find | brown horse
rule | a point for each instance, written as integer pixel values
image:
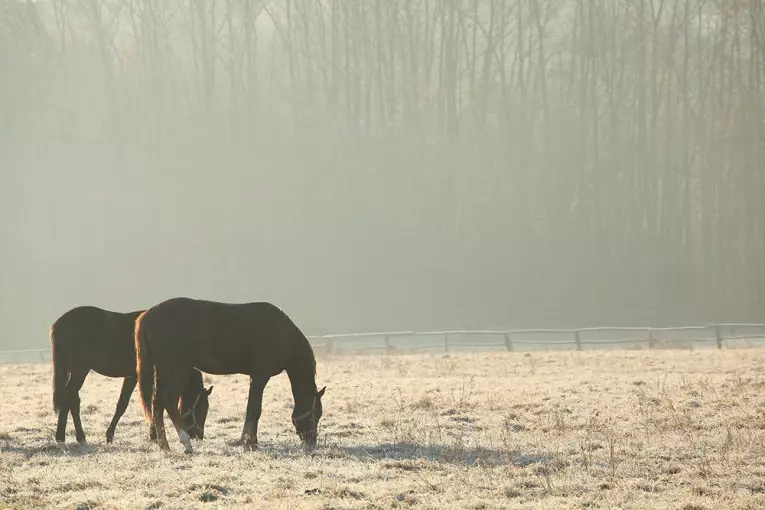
(86, 338)
(255, 339)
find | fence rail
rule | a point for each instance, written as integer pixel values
(510, 340)
(652, 337)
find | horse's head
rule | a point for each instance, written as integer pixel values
(195, 416)
(307, 424)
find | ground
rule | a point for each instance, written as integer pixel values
(618, 429)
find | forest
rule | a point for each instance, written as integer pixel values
(397, 164)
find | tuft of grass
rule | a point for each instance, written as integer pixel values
(424, 404)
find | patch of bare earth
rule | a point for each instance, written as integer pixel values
(669, 429)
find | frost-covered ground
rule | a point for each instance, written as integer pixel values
(616, 429)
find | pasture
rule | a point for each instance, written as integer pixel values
(591, 429)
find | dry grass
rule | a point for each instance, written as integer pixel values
(670, 429)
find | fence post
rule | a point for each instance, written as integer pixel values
(446, 342)
(330, 346)
(651, 339)
(718, 336)
(42, 357)
(577, 340)
(508, 341)
(388, 346)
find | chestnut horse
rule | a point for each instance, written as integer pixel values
(89, 338)
(255, 339)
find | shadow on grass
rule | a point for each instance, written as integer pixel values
(446, 454)
(52, 449)
(456, 455)
(403, 452)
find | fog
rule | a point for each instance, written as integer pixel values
(378, 165)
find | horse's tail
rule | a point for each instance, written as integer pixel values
(144, 368)
(60, 372)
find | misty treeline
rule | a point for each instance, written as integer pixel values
(393, 164)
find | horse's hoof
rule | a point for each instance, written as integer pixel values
(82, 441)
(251, 447)
(188, 450)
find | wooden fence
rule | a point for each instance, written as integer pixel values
(717, 335)
(688, 337)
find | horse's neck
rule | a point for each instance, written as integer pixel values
(303, 381)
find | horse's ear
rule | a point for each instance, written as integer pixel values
(321, 392)
(209, 390)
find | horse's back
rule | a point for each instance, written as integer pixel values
(218, 337)
(187, 313)
(98, 339)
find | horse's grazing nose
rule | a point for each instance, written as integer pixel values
(309, 442)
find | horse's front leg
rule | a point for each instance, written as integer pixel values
(128, 385)
(254, 407)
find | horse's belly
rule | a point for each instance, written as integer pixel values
(113, 371)
(228, 357)
(224, 366)
(240, 365)
(110, 360)
(212, 370)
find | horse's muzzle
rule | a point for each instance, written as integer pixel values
(309, 441)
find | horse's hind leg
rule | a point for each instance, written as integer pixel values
(158, 420)
(73, 393)
(128, 385)
(172, 397)
(183, 435)
(63, 414)
(168, 394)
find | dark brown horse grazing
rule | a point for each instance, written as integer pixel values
(86, 338)
(255, 339)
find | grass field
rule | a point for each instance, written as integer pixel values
(628, 429)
